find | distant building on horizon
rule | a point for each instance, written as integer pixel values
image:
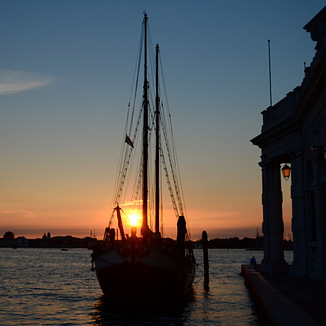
(21, 242)
(294, 133)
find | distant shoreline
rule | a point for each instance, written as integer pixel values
(87, 242)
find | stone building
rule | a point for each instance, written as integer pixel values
(294, 133)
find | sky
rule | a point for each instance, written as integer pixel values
(66, 70)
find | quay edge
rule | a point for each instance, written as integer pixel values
(273, 308)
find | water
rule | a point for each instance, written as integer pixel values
(54, 287)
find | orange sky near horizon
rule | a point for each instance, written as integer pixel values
(81, 222)
(65, 76)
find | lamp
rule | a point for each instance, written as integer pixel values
(286, 171)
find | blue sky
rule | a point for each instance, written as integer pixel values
(66, 70)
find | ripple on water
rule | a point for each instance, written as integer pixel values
(51, 287)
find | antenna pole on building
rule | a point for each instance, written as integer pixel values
(270, 72)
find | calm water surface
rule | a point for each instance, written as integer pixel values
(54, 287)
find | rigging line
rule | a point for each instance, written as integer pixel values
(178, 182)
(151, 81)
(163, 122)
(127, 160)
(137, 125)
(123, 174)
(172, 140)
(124, 163)
(135, 137)
(127, 120)
(138, 59)
(133, 167)
(164, 85)
(151, 71)
(180, 186)
(161, 207)
(172, 164)
(111, 219)
(123, 160)
(123, 169)
(150, 166)
(134, 140)
(182, 202)
(173, 158)
(134, 194)
(175, 207)
(137, 184)
(150, 134)
(137, 77)
(126, 175)
(151, 50)
(152, 63)
(119, 172)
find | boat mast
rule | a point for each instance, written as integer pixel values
(145, 134)
(157, 151)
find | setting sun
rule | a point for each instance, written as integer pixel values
(134, 219)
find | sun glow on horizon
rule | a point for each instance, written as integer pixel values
(134, 219)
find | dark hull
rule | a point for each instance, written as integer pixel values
(154, 277)
(142, 281)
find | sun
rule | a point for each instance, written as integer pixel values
(134, 219)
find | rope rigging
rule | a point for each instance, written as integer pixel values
(128, 153)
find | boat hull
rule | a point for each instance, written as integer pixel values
(143, 272)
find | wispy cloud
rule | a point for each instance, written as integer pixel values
(16, 81)
(127, 204)
(15, 214)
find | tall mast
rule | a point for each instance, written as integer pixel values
(157, 151)
(145, 134)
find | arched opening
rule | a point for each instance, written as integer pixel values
(287, 218)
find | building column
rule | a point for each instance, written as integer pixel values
(320, 200)
(316, 218)
(321, 227)
(273, 228)
(299, 228)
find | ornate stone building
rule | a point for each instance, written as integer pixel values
(294, 132)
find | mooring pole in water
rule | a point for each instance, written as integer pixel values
(206, 265)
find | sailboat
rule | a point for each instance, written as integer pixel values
(144, 263)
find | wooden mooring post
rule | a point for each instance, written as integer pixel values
(206, 264)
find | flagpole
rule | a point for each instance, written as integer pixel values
(270, 72)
